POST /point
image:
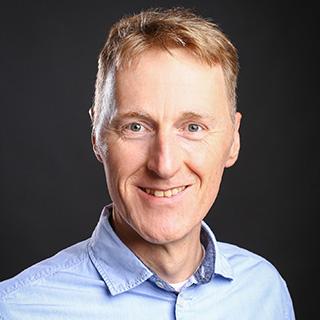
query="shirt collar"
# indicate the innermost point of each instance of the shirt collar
(222, 266)
(122, 270)
(118, 266)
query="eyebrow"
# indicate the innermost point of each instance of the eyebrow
(187, 115)
(132, 114)
(194, 115)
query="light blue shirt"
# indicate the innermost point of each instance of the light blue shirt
(100, 278)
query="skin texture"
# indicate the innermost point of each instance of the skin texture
(172, 128)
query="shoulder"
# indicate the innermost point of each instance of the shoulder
(244, 267)
(233, 252)
(242, 260)
(258, 279)
(46, 270)
(54, 288)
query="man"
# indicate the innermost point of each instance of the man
(165, 126)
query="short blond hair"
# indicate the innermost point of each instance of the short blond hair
(164, 29)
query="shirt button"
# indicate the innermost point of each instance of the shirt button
(181, 303)
(160, 284)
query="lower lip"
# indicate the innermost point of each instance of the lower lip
(164, 200)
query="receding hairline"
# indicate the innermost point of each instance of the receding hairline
(135, 59)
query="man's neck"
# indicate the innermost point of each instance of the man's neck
(173, 262)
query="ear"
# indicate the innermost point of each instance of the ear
(235, 148)
(93, 138)
(91, 114)
(95, 147)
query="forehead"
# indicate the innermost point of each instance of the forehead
(173, 80)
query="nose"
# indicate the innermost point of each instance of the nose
(164, 157)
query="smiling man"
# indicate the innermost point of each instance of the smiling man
(165, 127)
(164, 151)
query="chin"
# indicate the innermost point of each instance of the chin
(164, 234)
(160, 239)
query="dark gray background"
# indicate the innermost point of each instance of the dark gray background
(53, 189)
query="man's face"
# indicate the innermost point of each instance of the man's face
(167, 145)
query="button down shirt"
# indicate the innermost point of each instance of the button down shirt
(101, 278)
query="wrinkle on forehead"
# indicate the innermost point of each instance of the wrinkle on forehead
(159, 79)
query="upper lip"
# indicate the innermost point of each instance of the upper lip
(164, 188)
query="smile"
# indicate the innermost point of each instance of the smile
(164, 193)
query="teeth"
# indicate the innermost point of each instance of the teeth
(158, 193)
(167, 193)
(175, 191)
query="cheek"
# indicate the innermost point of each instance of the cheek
(123, 160)
(207, 157)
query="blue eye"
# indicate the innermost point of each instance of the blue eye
(136, 127)
(193, 127)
